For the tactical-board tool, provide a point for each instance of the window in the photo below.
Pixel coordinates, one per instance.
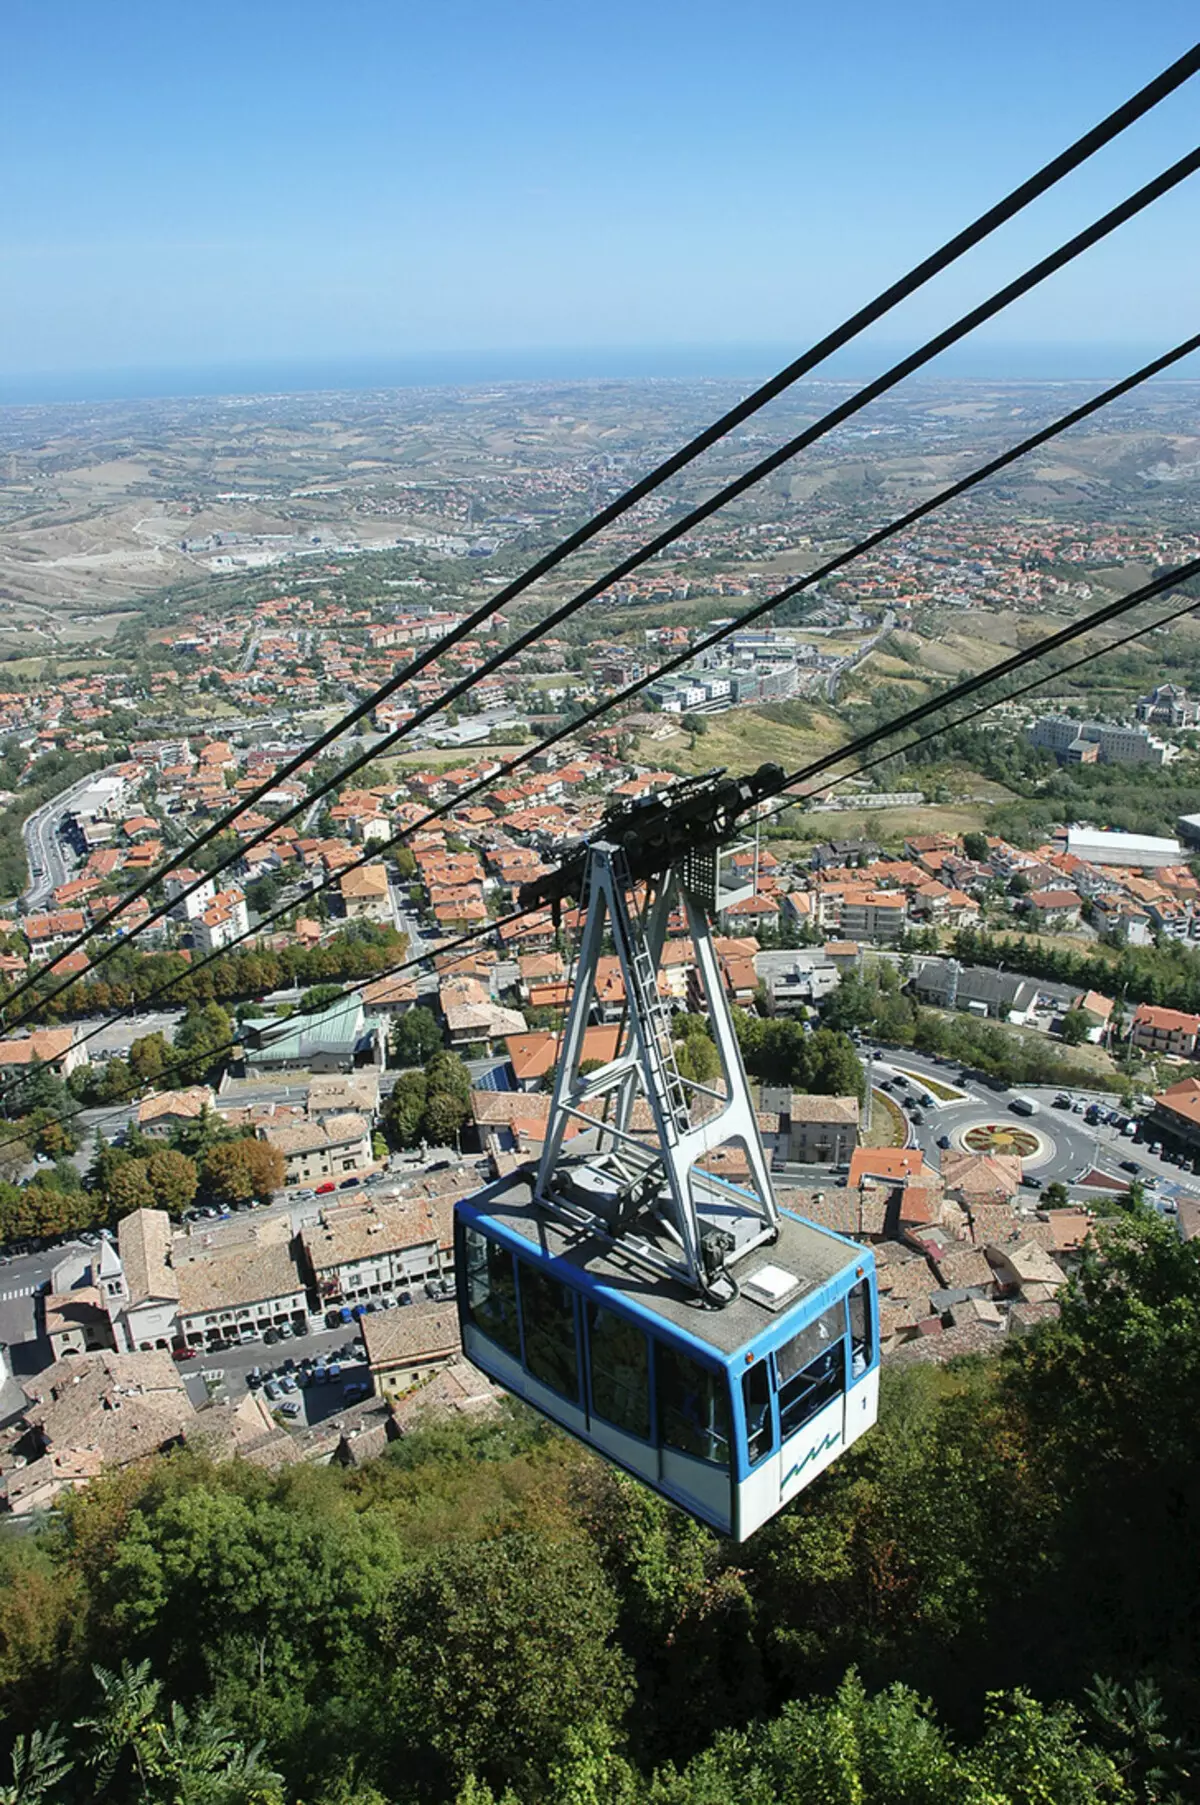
(860, 1330)
(548, 1315)
(492, 1291)
(620, 1367)
(693, 1407)
(756, 1401)
(811, 1369)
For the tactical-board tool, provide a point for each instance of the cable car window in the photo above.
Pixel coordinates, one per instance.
(693, 1407)
(860, 1330)
(620, 1366)
(796, 1354)
(492, 1291)
(809, 1390)
(548, 1317)
(756, 1401)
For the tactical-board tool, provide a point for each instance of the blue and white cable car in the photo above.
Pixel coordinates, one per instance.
(642, 1287)
(728, 1412)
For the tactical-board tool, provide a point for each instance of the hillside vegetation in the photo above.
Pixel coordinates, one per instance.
(993, 1598)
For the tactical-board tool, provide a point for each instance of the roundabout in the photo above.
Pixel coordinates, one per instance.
(993, 1134)
(1002, 1137)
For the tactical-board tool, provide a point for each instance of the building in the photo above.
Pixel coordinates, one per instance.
(821, 1131)
(167, 1110)
(222, 922)
(139, 1284)
(1157, 1030)
(88, 1412)
(337, 1093)
(1168, 706)
(405, 1347)
(1143, 852)
(235, 1283)
(189, 908)
(366, 895)
(873, 914)
(338, 1039)
(1176, 1114)
(371, 1250)
(54, 1048)
(978, 989)
(313, 1151)
(1072, 742)
(1057, 908)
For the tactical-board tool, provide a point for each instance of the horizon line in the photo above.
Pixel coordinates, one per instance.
(249, 378)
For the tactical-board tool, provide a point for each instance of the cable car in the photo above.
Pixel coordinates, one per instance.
(642, 1286)
(727, 1412)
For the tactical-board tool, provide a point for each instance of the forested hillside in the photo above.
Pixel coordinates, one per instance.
(994, 1598)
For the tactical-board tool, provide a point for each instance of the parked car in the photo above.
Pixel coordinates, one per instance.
(271, 1336)
(333, 1370)
(325, 1189)
(287, 1381)
(356, 1388)
(254, 1378)
(332, 1319)
(303, 1194)
(320, 1373)
(183, 1353)
(348, 1184)
(290, 1407)
(285, 1331)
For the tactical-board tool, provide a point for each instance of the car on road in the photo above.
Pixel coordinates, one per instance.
(943, 1141)
(1030, 1182)
(1130, 1165)
(917, 1116)
(273, 1389)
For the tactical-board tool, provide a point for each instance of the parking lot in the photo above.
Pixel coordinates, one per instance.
(338, 1355)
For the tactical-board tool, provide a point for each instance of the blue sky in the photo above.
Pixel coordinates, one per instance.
(240, 183)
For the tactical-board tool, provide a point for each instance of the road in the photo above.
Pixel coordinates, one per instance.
(1072, 1148)
(48, 863)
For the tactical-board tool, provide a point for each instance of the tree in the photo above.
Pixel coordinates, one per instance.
(416, 1036)
(560, 1680)
(404, 1110)
(129, 1188)
(148, 1058)
(446, 1114)
(174, 1180)
(320, 997)
(1076, 1027)
(205, 1033)
(1055, 1197)
(236, 1172)
(975, 848)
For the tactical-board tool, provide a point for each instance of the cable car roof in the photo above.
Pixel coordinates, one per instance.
(813, 1256)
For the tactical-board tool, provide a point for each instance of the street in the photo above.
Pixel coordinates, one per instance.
(1069, 1148)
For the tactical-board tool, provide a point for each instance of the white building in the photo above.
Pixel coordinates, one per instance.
(191, 908)
(224, 921)
(1140, 851)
